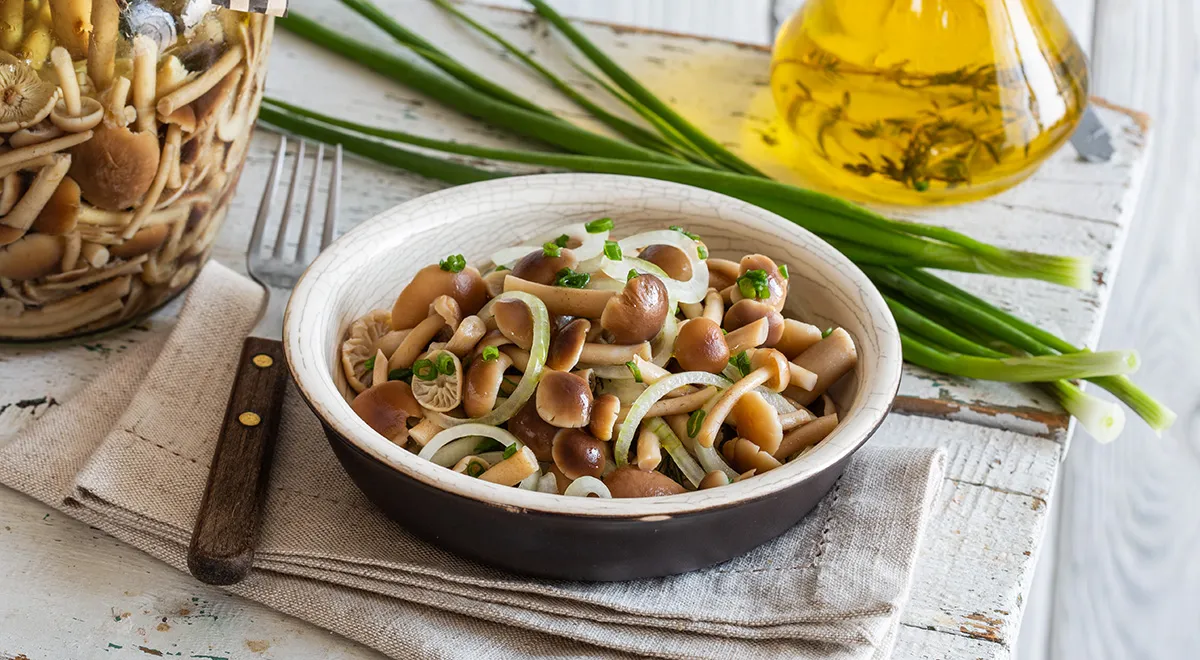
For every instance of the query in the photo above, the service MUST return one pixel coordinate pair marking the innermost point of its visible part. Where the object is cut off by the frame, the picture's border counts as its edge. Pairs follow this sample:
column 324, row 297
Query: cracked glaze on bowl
column 589, row 538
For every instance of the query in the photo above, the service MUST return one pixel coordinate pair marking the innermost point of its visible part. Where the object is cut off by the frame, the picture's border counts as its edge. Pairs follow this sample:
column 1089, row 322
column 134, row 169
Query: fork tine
column 331, row 207
column 264, row 207
column 302, row 249
column 281, row 235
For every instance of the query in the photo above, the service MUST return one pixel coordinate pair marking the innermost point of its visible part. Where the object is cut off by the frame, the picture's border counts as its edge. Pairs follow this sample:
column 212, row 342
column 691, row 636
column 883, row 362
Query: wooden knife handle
column 226, row 531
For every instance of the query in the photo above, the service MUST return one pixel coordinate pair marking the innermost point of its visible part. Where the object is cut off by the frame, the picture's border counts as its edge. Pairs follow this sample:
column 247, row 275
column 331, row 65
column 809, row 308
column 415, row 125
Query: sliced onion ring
column 691, row 291
column 590, row 245
column 548, row 483
column 669, row 441
column 533, row 370
column 448, row 435
column 652, row 394
column 584, row 486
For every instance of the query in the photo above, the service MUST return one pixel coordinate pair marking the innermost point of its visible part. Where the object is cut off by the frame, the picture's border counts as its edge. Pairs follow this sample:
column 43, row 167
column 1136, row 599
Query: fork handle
column 226, row 531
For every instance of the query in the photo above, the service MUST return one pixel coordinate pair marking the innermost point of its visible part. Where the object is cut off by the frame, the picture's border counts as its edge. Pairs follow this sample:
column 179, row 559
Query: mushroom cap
column 146, row 240
column 515, row 321
column 412, row 306
column 672, row 260
column 34, row 135
column 533, row 431
column 578, row 454
column 564, row 400
column 25, row 99
column 758, row 421
column 386, row 408
column 537, row 267
column 482, row 384
column 31, row 257
column 700, row 346
column 776, row 363
column 629, row 481
column 713, row 480
column 567, row 345
column 747, row 311
column 444, row 392
column 90, row 114
column 605, row 410
column 776, row 282
column 638, row 313
column 61, row 211
column 116, row 167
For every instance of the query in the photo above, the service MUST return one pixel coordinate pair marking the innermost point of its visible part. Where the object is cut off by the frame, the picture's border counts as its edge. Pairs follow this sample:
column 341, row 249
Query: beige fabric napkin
column 130, row 455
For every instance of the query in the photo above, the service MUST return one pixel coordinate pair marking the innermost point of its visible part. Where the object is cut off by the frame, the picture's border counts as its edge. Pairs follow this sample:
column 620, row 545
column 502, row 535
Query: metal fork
column 226, row 531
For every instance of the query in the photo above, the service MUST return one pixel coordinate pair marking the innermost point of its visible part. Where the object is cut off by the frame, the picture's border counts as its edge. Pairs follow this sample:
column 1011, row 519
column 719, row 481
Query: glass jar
column 927, row 101
column 125, row 126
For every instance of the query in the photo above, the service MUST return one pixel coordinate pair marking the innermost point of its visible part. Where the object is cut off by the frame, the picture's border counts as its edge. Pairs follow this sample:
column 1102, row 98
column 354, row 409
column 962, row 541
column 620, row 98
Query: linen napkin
column 130, row 455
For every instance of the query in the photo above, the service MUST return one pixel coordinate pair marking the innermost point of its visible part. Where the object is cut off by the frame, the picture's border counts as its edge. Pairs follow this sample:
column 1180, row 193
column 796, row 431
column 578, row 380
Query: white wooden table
column 68, row 591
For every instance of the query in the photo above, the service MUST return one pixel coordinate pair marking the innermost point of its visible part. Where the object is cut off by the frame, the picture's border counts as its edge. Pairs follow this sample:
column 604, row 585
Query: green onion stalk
column 673, row 149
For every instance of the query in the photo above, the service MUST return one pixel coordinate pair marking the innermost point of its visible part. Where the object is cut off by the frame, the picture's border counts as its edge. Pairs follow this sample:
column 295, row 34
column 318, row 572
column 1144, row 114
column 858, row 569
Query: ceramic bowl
column 565, row 537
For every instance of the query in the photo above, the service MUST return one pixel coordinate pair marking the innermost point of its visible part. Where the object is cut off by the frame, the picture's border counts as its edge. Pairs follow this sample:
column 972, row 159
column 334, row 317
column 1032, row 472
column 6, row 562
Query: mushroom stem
column 714, row 306
column 748, row 336
column 145, row 79
column 649, row 450
column 746, row 455
column 379, row 371
column 470, row 331
column 193, row 90
column 681, row 404
column 12, row 24
column 67, row 82
column 714, row 479
column 797, row 337
column 72, row 24
column 513, row 469
column 830, row 359
column 72, row 248
column 517, row 355
column 102, row 47
column 483, row 385
column 22, row 157
column 720, row 410
column 118, row 94
column 35, row 199
column 36, row 45
column 613, row 353
column 69, row 313
column 31, row 164
column 796, row 418
column 564, row 301
column 170, row 153
column 691, row 310
column 424, row 431
column 415, row 342
column 805, row 436
column 605, row 409
column 95, row 255
column 803, row 378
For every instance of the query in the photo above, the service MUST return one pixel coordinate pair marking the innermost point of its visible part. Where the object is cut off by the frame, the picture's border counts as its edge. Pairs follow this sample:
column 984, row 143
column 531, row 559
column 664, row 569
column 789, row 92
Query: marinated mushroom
column 61, row 211
column 387, row 408
column 758, row 421
column 437, row 381
column 578, row 454
column 35, row 134
column 672, row 260
column 745, row 312
column 31, row 257
column 529, row 427
column 769, row 368
column 116, row 167
column 805, row 436
column 441, row 313
column 638, row 313
column 595, row 353
column 700, row 346
column 493, row 282
column 649, row 450
column 357, row 350
column 564, row 301
column 714, row 306
column 466, row 336
column 796, row 338
column 830, row 359
column 542, row 267
column 759, row 278
column 714, row 479
column 464, row 285
column 629, row 481
column 515, row 321
column 513, row 469
column 26, row 210
column 748, row 336
column 145, row 241
column 564, row 400
column 482, row 386
column 73, row 113
column 25, row 99
column 605, row 409
column 722, row 273
column 567, row 345
column 745, row 455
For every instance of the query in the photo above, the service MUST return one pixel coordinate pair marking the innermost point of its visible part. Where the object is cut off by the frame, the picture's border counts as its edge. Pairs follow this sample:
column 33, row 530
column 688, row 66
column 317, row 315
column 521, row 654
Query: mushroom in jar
column 629, row 481
column 578, row 454
column 25, row 99
column 542, row 267
column 116, row 167
column 638, row 313
column 31, row 257
column 437, row 381
column 449, row 278
column 700, row 346
column 387, row 408
column 672, row 260
column 564, row 400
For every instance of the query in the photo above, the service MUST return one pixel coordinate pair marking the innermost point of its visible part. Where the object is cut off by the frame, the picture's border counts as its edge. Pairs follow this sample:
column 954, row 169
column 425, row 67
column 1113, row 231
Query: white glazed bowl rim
column 339, row 263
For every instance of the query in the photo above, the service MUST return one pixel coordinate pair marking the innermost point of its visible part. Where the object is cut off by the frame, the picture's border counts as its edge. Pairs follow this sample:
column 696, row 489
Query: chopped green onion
column 453, row 263
column 551, row 249
column 512, row 449
column 562, row 240
column 633, row 369
column 742, row 362
column 753, row 284
column 445, row 363
column 694, row 237
column 474, row 469
column 488, row 444
column 400, row 374
column 599, row 225
column 501, row 267
column 612, row 250
column 920, row 186
column 572, row 280
column 826, row 332
column 425, row 369
column 632, row 274
column 783, row 270
column 702, row 251
column 370, row 363
column 490, row 353
column 695, row 421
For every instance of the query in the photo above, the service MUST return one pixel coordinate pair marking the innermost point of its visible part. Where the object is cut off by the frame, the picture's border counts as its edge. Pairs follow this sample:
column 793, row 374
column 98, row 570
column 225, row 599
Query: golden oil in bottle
column 926, row 101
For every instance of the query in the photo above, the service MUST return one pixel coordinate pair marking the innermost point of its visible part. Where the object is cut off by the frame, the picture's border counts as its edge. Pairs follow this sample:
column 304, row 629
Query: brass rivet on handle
column 249, row 419
column 263, row 360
